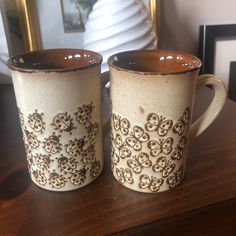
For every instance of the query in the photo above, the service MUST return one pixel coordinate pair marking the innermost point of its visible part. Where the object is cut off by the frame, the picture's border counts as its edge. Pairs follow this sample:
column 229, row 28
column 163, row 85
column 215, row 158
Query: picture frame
column 11, row 40
column 38, row 30
column 12, row 26
column 4, row 32
column 232, row 81
column 4, row 48
column 217, row 49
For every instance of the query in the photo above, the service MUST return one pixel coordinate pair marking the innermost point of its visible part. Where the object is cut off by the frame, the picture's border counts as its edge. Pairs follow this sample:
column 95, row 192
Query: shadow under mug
column 152, row 96
column 59, row 99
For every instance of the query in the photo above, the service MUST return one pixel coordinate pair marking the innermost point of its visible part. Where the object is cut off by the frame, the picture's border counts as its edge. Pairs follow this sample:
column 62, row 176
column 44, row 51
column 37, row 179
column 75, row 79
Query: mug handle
column 3, row 63
column 214, row 108
column 106, row 103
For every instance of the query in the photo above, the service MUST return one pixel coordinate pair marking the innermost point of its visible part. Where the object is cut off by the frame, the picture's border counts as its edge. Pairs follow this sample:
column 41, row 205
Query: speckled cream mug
column 152, row 97
column 58, row 94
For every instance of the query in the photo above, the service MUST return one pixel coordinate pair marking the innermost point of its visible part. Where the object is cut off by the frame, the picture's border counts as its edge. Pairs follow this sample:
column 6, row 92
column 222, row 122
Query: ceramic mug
column 58, row 94
column 152, row 97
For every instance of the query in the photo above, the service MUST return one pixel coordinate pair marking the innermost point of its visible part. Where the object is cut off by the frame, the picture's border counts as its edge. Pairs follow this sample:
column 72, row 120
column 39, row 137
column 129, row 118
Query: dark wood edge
column 192, row 223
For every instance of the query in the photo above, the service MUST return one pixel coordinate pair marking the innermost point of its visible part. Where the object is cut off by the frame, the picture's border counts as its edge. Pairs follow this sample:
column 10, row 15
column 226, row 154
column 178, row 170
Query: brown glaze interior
column 55, row 60
column 155, row 61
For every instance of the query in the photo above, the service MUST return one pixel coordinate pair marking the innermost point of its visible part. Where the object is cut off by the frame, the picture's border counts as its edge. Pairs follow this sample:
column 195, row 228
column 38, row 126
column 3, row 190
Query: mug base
column 67, row 188
column 149, row 188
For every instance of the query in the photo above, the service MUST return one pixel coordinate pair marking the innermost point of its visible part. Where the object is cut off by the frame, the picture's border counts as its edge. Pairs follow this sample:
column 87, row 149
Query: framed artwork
column 11, row 40
column 4, row 34
column 217, row 49
column 75, row 14
column 232, row 81
column 54, row 23
column 12, row 27
column 4, row 52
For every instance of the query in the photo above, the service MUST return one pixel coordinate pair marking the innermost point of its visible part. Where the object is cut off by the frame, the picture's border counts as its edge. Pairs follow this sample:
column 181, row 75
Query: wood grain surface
column 203, row 204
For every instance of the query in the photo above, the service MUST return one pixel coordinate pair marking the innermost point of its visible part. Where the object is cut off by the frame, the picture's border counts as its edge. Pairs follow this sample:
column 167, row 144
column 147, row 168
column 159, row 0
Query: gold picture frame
column 155, row 14
column 29, row 18
column 28, row 12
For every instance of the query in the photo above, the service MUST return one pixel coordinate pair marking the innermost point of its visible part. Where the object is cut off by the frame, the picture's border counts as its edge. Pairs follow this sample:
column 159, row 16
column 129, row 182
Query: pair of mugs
column 59, row 99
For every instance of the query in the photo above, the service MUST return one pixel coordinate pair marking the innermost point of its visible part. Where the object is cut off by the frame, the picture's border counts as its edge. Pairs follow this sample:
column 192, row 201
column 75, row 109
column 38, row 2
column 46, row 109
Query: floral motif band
column 51, row 160
column 157, row 148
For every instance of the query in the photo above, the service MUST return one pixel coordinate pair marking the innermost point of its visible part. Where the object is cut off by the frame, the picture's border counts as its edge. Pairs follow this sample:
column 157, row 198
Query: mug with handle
column 152, row 97
column 59, row 99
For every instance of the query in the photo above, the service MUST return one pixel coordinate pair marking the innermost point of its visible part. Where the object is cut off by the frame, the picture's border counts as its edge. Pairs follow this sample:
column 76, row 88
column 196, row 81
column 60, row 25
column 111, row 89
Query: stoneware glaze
column 58, row 95
column 152, row 97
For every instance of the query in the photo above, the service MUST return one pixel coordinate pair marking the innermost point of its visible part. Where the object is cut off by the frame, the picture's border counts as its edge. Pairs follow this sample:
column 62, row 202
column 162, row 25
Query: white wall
column 180, row 21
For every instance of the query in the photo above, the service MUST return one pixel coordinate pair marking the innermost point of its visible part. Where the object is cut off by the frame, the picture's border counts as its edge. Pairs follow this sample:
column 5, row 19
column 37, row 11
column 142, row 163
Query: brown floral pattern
column 152, row 183
column 137, row 163
column 63, row 122
column 158, row 124
column 174, row 179
column 152, row 152
column 124, row 175
column 75, row 147
column 179, row 149
column 31, row 139
column 121, row 146
column 52, row 144
column 42, row 161
column 162, row 146
column 164, row 166
column 183, row 121
column 35, row 121
column 56, row 160
column 136, row 138
column 57, row 181
column 120, row 124
column 84, row 114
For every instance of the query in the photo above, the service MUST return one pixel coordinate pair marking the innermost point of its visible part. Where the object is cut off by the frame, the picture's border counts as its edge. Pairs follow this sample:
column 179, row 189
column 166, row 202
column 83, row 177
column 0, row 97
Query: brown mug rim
column 14, row 66
column 195, row 68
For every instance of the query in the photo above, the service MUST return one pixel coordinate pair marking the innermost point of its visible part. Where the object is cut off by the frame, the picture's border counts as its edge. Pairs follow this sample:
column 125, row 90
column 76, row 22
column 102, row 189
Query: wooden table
column 203, row 204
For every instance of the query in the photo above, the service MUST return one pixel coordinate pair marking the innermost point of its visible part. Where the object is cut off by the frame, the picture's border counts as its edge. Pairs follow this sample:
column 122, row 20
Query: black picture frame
column 208, row 36
column 207, row 39
column 232, row 81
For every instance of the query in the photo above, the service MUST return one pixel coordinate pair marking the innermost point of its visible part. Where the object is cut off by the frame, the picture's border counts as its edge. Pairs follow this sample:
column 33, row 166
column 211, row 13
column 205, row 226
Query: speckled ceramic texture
column 60, row 116
column 152, row 97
